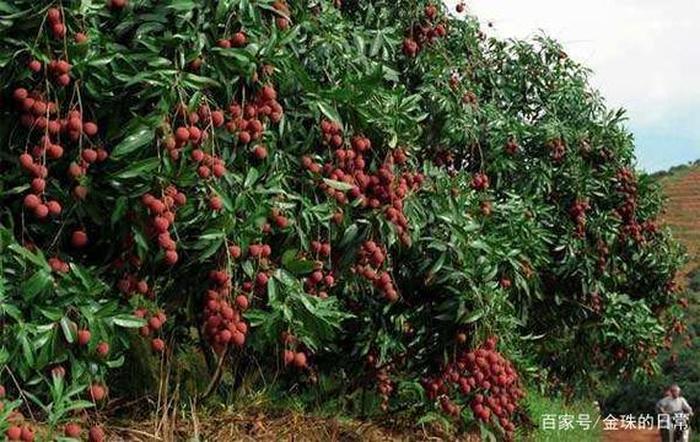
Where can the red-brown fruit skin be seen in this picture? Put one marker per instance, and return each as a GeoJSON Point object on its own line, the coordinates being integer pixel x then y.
{"type": "Point", "coordinates": [299, 360]}
{"type": "Point", "coordinates": [157, 345]}
{"type": "Point", "coordinates": [72, 430]}
{"type": "Point", "coordinates": [83, 337]}
{"type": "Point", "coordinates": [27, 434]}
{"type": "Point", "coordinates": [102, 349]}
{"type": "Point", "coordinates": [34, 66]}
{"type": "Point", "coordinates": [117, 4]}
{"type": "Point", "coordinates": [13, 433]}
{"type": "Point", "coordinates": [97, 392]}
{"type": "Point", "coordinates": [79, 239]}
{"type": "Point", "coordinates": [96, 434]}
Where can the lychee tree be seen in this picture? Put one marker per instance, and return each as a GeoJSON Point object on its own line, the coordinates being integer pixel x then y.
{"type": "Point", "coordinates": [292, 188]}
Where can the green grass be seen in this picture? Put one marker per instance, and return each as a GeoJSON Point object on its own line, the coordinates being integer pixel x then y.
{"type": "Point", "coordinates": [541, 407]}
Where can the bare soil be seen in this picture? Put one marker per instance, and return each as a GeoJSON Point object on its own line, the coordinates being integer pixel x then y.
{"type": "Point", "coordinates": [631, 436]}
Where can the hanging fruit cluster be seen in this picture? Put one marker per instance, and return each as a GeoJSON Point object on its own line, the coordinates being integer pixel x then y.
{"type": "Point", "coordinates": [154, 324]}
{"type": "Point", "coordinates": [371, 259]}
{"type": "Point", "coordinates": [52, 134]}
{"type": "Point", "coordinates": [248, 120]}
{"type": "Point", "coordinates": [162, 211]}
{"type": "Point", "coordinates": [603, 254]}
{"type": "Point", "coordinates": [130, 283]}
{"type": "Point", "coordinates": [627, 211]}
{"type": "Point", "coordinates": [223, 323]}
{"type": "Point", "coordinates": [194, 128]}
{"type": "Point", "coordinates": [52, 130]}
{"type": "Point", "coordinates": [424, 33]}
{"type": "Point", "coordinates": [260, 254]}
{"type": "Point", "coordinates": [480, 181]}
{"type": "Point", "coordinates": [511, 146]}
{"type": "Point", "coordinates": [283, 14]}
{"type": "Point", "coordinates": [631, 228]}
{"type": "Point", "coordinates": [55, 22]}
{"type": "Point", "coordinates": [483, 378]}
{"type": "Point", "coordinates": [577, 211]}
{"type": "Point", "coordinates": [292, 355]}
{"type": "Point", "coordinates": [385, 188]}
{"type": "Point", "coordinates": [127, 265]}
{"type": "Point", "coordinates": [55, 126]}
{"type": "Point", "coordinates": [557, 149]}
{"type": "Point", "coordinates": [318, 283]}
{"type": "Point", "coordinates": [237, 40]}
{"type": "Point", "coordinates": [385, 386]}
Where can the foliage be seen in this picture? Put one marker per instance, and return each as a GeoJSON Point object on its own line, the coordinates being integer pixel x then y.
{"type": "Point", "coordinates": [337, 197]}
{"type": "Point", "coordinates": [679, 364]}
{"type": "Point", "coordinates": [694, 280]}
{"type": "Point", "coordinates": [639, 398]}
{"type": "Point", "coordinates": [542, 408]}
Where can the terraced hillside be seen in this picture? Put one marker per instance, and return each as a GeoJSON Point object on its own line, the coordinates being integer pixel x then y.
{"type": "Point", "coordinates": [683, 215]}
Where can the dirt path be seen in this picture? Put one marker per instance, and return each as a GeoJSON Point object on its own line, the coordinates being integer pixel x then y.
{"type": "Point", "coordinates": [631, 436]}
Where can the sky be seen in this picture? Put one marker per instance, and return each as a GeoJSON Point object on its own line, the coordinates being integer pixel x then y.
{"type": "Point", "coordinates": [645, 55]}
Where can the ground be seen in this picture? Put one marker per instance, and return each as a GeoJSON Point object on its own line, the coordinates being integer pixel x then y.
{"type": "Point", "coordinates": [253, 426]}
{"type": "Point", "coordinates": [631, 436]}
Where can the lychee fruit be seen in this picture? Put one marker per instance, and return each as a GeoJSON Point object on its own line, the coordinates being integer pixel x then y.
{"type": "Point", "coordinates": [72, 430]}
{"type": "Point", "coordinates": [84, 337]}
{"type": "Point", "coordinates": [79, 239]}
{"type": "Point", "coordinates": [96, 434]}
{"type": "Point", "coordinates": [97, 392]}
{"type": "Point", "coordinates": [157, 345]}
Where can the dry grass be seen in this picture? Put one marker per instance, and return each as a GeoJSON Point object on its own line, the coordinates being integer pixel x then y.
{"type": "Point", "coordinates": [164, 415]}
{"type": "Point", "coordinates": [253, 418]}
{"type": "Point", "coordinates": [253, 425]}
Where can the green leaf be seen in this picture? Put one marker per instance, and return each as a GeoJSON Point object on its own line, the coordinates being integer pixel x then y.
{"type": "Point", "coordinates": [37, 284]}
{"type": "Point", "coordinates": [139, 168]}
{"type": "Point", "coordinates": [119, 210]}
{"type": "Point", "coordinates": [78, 405]}
{"type": "Point", "coordinates": [251, 177]}
{"type": "Point", "coordinates": [128, 321]}
{"type": "Point", "coordinates": [67, 329]}
{"type": "Point", "coordinates": [473, 317]}
{"type": "Point", "coordinates": [338, 185]}
{"type": "Point", "coordinates": [116, 363]}
{"type": "Point", "coordinates": [272, 291]}
{"type": "Point", "coordinates": [211, 247]}
{"type": "Point", "coordinates": [300, 266]}
{"type": "Point", "coordinates": [140, 138]}
{"type": "Point", "coordinates": [329, 111]}
{"type": "Point", "coordinates": [37, 258]}
{"type": "Point", "coordinates": [27, 349]}
{"type": "Point", "coordinates": [349, 236]}
{"type": "Point", "coordinates": [481, 245]}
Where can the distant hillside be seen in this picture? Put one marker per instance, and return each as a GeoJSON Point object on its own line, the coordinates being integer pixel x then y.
{"type": "Point", "coordinates": [675, 170]}
{"type": "Point", "coordinates": [682, 186]}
